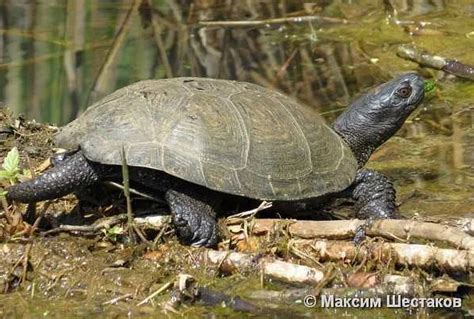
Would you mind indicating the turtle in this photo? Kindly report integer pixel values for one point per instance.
(198, 140)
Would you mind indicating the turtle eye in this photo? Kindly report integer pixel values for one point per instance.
(404, 91)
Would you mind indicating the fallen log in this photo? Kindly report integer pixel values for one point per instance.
(422, 256)
(393, 229)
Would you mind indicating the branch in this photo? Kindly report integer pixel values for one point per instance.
(231, 262)
(387, 228)
(425, 58)
(423, 256)
(275, 21)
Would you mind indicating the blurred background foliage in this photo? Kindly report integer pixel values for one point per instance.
(58, 56)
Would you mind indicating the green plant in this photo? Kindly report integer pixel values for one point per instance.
(113, 232)
(429, 86)
(11, 168)
(10, 165)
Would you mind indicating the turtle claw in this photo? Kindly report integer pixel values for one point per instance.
(360, 232)
(198, 230)
(200, 243)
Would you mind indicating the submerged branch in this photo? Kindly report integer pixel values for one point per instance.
(274, 21)
(425, 58)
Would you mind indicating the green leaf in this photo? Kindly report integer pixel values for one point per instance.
(12, 161)
(3, 193)
(116, 230)
(5, 175)
(429, 86)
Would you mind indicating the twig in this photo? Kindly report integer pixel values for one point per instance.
(156, 293)
(25, 262)
(136, 192)
(126, 191)
(275, 21)
(153, 221)
(4, 203)
(284, 67)
(97, 226)
(262, 206)
(140, 234)
(436, 62)
(108, 222)
(116, 299)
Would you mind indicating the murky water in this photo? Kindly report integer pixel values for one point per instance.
(57, 57)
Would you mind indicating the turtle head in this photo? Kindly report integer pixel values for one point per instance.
(376, 116)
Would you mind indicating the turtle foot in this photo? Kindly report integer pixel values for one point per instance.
(194, 219)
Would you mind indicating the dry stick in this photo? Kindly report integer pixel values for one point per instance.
(25, 262)
(263, 205)
(4, 203)
(284, 67)
(104, 223)
(126, 191)
(436, 62)
(136, 192)
(156, 293)
(275, 21)
(114, 49)
(140, 234)
(387, 228)
(153, 221)
(239, 262)
(116, 299)
(22, 260)
(423, 256)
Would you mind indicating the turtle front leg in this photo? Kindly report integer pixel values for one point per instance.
(374, 194)
(194, 217)
(375, 199)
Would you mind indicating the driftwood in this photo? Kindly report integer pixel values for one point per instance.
(231, 262)
(401, 230)
(422, 256)
(436, 62)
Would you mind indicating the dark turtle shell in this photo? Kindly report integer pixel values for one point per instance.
(233, 137)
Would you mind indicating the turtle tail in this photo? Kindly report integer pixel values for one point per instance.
(72, 174)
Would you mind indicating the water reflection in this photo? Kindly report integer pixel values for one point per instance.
(57, 57)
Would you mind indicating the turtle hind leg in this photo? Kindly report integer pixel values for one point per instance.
(73, 173)
(194, 216)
